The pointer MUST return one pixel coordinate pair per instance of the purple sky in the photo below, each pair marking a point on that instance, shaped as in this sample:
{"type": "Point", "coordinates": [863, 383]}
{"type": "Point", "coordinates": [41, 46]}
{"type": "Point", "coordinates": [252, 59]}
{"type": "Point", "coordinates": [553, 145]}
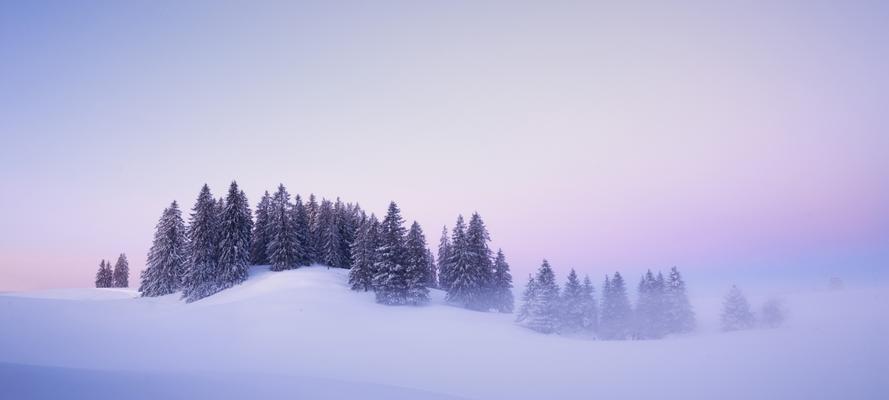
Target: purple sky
{"type": "Point", "coordinates": [741, 143]}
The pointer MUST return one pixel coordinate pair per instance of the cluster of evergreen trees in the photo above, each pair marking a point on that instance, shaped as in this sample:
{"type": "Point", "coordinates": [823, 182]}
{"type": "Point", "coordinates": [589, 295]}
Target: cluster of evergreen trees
{"type": "Point", "coordinates": [392, 261]}
{"type": "Point", "coordinates": [117, 277]}
{"type": "Point", "coordinates": [208, 256]}
{"type": "Point", "coordinates": [662, 306]}
{"type": "Point", "coordinates": [472, 276]}
{"type": "Point", "coordinates": [737, 314]}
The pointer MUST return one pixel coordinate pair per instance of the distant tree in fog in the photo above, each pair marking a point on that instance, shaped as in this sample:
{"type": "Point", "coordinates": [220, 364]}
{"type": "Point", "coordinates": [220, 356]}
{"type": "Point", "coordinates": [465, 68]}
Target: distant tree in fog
{"type": "Point", "coordinates": [541, 303]}
{"type": "Point", "coordinates": [773, 313]}
{"type": "Point", "coordinates": [502, 290]}
{"type": "Point", "coordinates": [736, 314]}
{"type": "Point", "coordinates": [616, 314]}
{"type": "Point", "coordinates": [572, 306]}
{"type": "Point", "coordinates": [679, 316]}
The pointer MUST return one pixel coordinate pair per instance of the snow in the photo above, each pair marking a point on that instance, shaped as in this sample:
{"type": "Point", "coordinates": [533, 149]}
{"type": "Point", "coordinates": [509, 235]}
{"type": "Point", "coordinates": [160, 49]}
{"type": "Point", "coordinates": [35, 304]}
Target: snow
{"type": "Point", "coordinates": [302, 333]}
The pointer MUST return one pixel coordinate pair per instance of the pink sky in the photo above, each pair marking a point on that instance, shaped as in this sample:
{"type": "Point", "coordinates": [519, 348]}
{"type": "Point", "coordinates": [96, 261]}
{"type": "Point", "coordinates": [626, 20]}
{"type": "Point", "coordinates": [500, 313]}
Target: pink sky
{"type": "Point", "coordinates": [723, 139]}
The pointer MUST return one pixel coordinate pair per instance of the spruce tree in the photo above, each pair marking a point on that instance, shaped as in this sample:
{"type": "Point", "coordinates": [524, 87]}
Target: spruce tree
{"type": "Point", "coordinates": [390, 281]}
{"type": "Point", "coordinates": [120, 277]}
{"type": "Point", "coordinates": [502, 292]}
{"type": "Point", "coordinates": [313, 211]}
{"type": "Point", "coordinates": [649, 308]}
{"type": "Point", "coordinates": [347, 222]}
{"type": "Point", "coordinates": [431, 275]}
{"type": "Point", "coordinates": [529, 301]}
{"type": "Point", "coordinates": [542, 300]}
{"type": "Point", "coordinates": [736, 314]}
{"type": "Point", "coordinates": [260, 240]}
{"type": "Point", "coordinates": [283, 248]}
{"type": "Point", "coordinates": [301, 226]}
{"type": "Point", "coordinates": [104, 277]}
{"type": "Point", "coordinates": [481, 265]}
{"type": "Point", "coordinates": [364, 251]}
{"type": "Point", "coordinates": [572, 316]}
{"type": "Point", "coordinates": [444, 257]}
{"type": "Point", "coordinates": [167, 257]}
{"type": "Point", "coordinates": [590, 321]}
{"type": "Point", "coordinates": [678, 314]}
{"type": "Point", "coordinates": [416, 264]}
{"type": "Point", "coordinates": [235, 229]}
{"type": "Point", "coordinates": [614, 321]}
{"type": "Point", "coordinates": [201, 272]}
{"type": "Point", "coordinates": [463, 282]}
{"type": "Point", "coordinates": [330, 235]}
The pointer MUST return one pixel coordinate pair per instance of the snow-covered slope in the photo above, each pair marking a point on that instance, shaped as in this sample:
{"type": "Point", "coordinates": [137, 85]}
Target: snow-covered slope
{"type": "Point", "coordinates": [303, 334]}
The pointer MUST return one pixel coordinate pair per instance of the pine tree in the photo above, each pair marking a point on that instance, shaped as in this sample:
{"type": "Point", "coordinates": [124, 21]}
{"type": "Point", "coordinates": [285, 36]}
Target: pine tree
{"type": "Point", "coordinates": [736, 314]}
{"type": "Point", "coordinates": [235, 230]}
{"type": "Point", "coordinates": [200, 276]}
{"type": "Point", "coordinates": [444, 257]}
{"type": "Point", "coordinates": [120, 277]}
{"type": "Point", "coordinates": [614, 322]}
{"type": "Point", "coordinates": [590, 321]}
{"type": "Point", "coordinates": [313, 211]}
{"type": "Point", "coordinates": [301, 226]}
{"type": "Point", "coordinates": [502, 286]}
{"type": "Point", "coordinates": [572, 316]}
{"type": "Point", "coordinates": [260, 240]}
{"type": "Point", "coordinates": [168, 256]}
{"type": "Point", "coordinates": [431, 280]}
{"type": "Point", "coordinates": [529, 300]}
{"type": "Point", "coordinates": [104, 277]}
{"type": "Point", "coordinates": [416, 264]}
{"type": "Point", "coordinates": [649, 307]}
{"type": "Point", "coordinates": [482, 267]}
{"type": "Point", "coordinates": [390, 281]}
{"type": "Point", "coordinates": [678, 314]}
{"type": "Point", "coordinates": [348, 221]}
{"type": "Point", "coordinates": [330, 235]}
{"type": "Point", "coordinates": [364, 250]}
{"type": "Point", "coordinates": [283, 248]}
{"type": "Point", "coordinates": [541, 309]}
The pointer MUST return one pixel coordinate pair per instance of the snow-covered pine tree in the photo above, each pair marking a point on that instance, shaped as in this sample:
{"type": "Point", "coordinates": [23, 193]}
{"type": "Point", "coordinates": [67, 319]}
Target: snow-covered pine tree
{"type": "Point", "coordinates": [120, 277]}
{"type": "Point", "coordinates": [416, 264]}
{"type": "Point", "coordinates": [330, 235]}
{"type": "Point", "coordinates": [502, 297]}
{"type": "Point", "coordinates": [167, 257]}
{"type": "Point", "coordinates": [615, 318]}
{"type": "Point", "coordinates": [283, 248]}
{"type": "Point", "coordinates": [678, 314]}
{"type": "Point", "coordinates": [201, 271]}
{"type": "Point", "coordinates": [347, 223]}
{"type": "Point", "coordinates": [529, 300]}
{"type": "Point", "coordinates": [235, 229]}
{"type": "Point", "coordinates": [444, 257]}
{"type": "Point", "coordinates": [736, 314]}
{"type": "Point", "coordinates": [431, 270]}
{"type": "Point", "coordinates": [544, 312]}
{"type": "Point", "coordinates": [647, 315]}
{"type": "Point", "coordinates": [590, 322]}
{"type": "Point", "coordinates": [390, 281]}
{"type": "Point", "coordinates": [313, 211]}
{"type": "Point", "coordinates": [463, 280]}
{"type": "Point", "coordinates": [481, 265]}
{"type": "Point", "coordinates": [364, 250]}
{"type": "Point", "coordinates": [572, 314]}
{"type": "Point", "coordinates": [301, 226]}
{"type": "Point", "coordinates": [260, 240]}
{"type": "Point", "coordinates": [104, 277]}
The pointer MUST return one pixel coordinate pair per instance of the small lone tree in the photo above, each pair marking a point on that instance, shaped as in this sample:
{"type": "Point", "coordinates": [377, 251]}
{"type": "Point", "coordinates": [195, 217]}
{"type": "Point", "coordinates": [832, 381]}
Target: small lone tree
{"type": "Point", "coordinates": [736, 314]}
{"type": "Point", "coordinates": [120, 277]}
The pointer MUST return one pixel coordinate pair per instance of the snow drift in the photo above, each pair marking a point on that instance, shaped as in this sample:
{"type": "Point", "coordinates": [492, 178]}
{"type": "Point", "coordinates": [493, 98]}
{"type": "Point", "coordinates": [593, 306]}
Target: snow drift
{"type": "Point", "coordinates": [303, 334]}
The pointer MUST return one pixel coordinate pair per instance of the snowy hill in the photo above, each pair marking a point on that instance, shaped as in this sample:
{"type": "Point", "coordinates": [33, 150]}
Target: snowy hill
{"type": "Point", "coordinates": [303, 334]}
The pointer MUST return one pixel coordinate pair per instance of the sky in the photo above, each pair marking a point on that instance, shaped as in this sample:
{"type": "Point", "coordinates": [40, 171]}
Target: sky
{"type": "Point", "coordinates": [741, 143]}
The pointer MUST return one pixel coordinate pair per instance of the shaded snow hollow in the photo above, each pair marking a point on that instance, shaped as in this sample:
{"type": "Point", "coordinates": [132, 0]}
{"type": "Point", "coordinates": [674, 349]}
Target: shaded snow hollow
{"type": "Point", "coordinates": [304, 334]}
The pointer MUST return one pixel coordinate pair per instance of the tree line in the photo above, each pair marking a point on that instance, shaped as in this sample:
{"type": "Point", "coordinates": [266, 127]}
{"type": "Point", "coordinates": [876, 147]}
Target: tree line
{"type": "Point", "coordinates": [222, 239]}
{"type": "Point", "coordinates": [116, 277]}
{"type": "Point", "coordinates": [662, 306]}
